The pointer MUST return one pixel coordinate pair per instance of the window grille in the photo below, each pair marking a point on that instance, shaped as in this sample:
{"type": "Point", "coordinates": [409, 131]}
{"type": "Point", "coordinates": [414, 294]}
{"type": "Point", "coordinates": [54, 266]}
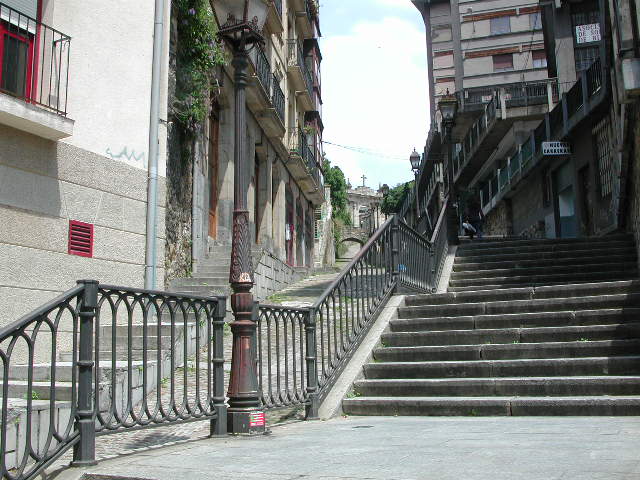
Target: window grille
{"type": "Point", "coordinates": [604, 157]}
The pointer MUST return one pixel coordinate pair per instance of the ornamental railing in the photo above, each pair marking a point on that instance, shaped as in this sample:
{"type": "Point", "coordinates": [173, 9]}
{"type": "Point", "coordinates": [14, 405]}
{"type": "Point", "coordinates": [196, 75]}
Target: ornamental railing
{"type": "Point", "coordinates": [103, 359]}
{"type": "Point", "coordinates": [278, 99]}
{"type": "Point", "coordinates": [296, 59]}
{"type": "Point", "coordinates": [35, 61]}
{"type": "Point", "coordinates": [263, 70]}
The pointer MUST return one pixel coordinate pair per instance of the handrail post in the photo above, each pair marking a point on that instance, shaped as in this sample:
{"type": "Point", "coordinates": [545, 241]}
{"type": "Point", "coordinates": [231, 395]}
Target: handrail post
{"type": "Point", "coordinates": [395, 250]}
{"type": "Point", "coordinates": [311, 358]}
{"type": "Point", "coordinates": [219, 424]}
{"type": "Point", "coordinates": [84, 451]}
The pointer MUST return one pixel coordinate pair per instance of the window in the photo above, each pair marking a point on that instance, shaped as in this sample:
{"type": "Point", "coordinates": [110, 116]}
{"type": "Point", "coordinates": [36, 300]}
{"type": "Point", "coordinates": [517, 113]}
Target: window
{"type": "Point", "coordinates": [535, 21]}
{"type": "Point", "coordinates": [500, 25]}
{"type": "Point", "coordinates": [16, 53]}
{"type": "Point", "coordinates": [539, 58]}
{"type": "Point", "coordinates": [503, 63]}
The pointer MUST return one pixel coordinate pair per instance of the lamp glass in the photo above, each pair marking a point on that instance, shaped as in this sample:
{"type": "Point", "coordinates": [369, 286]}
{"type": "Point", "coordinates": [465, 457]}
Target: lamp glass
{"type": "Point", "coordinates": [232, 12]}
{"type": "Point", "coordinates": [448, 107]}
{"type": "Point", "coordinates": [415, 160]}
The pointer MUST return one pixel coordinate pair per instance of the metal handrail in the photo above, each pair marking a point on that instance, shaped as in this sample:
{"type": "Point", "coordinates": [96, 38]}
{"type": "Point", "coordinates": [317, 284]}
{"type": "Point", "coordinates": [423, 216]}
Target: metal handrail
{"type": "Point", "coordinates": [134, 361]}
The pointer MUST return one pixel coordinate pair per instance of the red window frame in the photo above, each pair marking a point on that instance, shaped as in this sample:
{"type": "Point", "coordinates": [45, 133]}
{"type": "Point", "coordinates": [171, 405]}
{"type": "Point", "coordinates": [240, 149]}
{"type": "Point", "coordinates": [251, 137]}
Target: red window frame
{"type": "Point", "coordinates": [11, 31]}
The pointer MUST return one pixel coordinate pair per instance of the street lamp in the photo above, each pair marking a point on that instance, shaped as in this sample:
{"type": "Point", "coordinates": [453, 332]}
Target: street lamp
{"type": "Point", "coordinates": [414, 158]}
{"type": "Point", "coordinates": [385, 191]}
{"type": "Point", "coordinates": [240, 25]}
{"type": "Point", "coordinates": [448, 106]}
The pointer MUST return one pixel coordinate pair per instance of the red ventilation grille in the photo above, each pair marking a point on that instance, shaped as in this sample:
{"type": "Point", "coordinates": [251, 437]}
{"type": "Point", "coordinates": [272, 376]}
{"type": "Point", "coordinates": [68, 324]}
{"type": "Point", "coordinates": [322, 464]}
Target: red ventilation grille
{"type": "Point", "coordinates": [80, 238]}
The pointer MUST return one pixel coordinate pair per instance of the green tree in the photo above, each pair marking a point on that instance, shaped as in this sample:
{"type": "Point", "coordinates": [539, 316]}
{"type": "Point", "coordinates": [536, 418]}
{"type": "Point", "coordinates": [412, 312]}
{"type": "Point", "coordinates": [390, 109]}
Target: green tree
{"type": "Point", "coordinates": [393, 201]}
{"type": "Point", "coordinates": [334, 177]}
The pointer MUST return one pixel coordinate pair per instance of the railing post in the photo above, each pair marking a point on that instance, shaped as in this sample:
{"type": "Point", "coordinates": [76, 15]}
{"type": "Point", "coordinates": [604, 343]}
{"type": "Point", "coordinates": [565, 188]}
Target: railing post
{"type": "Point", "coordinates": [395, 250]}
{"type": "Point", "coordinates": [219, 425]}
{"type": "Point", "coordinates": [312, 366]}
{"type": "Point", "coordinates": [84, 451]}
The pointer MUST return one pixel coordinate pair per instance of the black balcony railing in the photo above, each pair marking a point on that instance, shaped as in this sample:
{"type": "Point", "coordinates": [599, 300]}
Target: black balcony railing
{"type": "Point", "coordinates": [296, 59]}
{"type": "Point", "coordinates": [35, 61]}
{"type": "Point", "coordinates": [278, 99]}
{"type": "Point", "coordinates": [136, 359]}
{"type": "Point", "coordinates": [278, 5]}
{"type": "Point", "coordinates": [263, 70]}
{"type": "Point", "coordinates": [516, 94]}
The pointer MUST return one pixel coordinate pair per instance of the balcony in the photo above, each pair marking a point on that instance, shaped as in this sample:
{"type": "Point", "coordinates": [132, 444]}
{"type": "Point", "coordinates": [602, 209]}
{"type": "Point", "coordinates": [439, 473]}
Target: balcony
{"type": "Point", "coordinates": [274, 17]}
{"type": "Point", "coordinates": [264, 96]}
{"type": "Point", "coordinates": [306, 11]}
{"type": "Point", "coordinates": [35, 76]}
{"type": "Point", "coordinates": [479, 133]}
{"type": "Point", "coordinates": [303, 166]}
{"type": "Point", "coordinates": [586, 98]}
{"type": "Point", "coordinates": [300, 75]}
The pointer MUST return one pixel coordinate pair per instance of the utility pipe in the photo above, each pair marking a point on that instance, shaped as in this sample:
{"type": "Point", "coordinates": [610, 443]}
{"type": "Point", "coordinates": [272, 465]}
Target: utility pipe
{"type": "Point", "coordinates": [154, 122]}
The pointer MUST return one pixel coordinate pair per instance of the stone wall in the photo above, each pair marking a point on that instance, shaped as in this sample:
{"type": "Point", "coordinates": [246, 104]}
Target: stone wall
{"type": "Point", "coordinates": [633, 185]}
{"type": "Point", "coordinates": [499, 220]}
{"type": "Point", "coordinates": [272, 274]}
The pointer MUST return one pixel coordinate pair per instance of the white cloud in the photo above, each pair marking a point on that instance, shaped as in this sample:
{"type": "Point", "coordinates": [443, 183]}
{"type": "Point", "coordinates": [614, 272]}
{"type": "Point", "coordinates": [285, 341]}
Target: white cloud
{"type": "Point", "coordinates": [374, 85]}
{"type": "Point", "coordinates": [395, 3]}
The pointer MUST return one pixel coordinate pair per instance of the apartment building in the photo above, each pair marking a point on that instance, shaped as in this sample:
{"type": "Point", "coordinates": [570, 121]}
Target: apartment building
{"type": "Point", "coordinates": [74, 123]}
{"type": "Point", "coordinates": [491, 56]}
{"type": "Point", "coordinates": [284, 130]}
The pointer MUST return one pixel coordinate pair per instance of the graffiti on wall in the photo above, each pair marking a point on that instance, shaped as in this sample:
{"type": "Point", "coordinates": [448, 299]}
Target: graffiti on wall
{"type": "Point", "coordinates": [140, 159]}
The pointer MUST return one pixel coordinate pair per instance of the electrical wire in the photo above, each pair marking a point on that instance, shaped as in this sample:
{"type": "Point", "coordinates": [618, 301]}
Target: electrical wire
{"type": "Point", "coordinates": [363, 151]}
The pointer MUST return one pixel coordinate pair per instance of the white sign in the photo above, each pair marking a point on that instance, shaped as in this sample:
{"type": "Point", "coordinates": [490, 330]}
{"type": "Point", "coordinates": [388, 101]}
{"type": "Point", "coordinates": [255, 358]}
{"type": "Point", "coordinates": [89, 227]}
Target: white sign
{"type": "Point", "coordinates": [556, 148]}
{"type": "Point", "coordinates": [588, 33]}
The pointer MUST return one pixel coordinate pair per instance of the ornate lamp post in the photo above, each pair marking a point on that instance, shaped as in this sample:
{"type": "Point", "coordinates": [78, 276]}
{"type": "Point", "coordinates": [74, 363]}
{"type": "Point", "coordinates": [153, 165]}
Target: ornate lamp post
{"type": "Point", "coordinates": [241, 23]}
{"type": "Point", "coordinates": [385, 191]}
{"type": "Point", "coordinates": [415, 166]}
{"type": "Point", "coordinates": [448, 106]}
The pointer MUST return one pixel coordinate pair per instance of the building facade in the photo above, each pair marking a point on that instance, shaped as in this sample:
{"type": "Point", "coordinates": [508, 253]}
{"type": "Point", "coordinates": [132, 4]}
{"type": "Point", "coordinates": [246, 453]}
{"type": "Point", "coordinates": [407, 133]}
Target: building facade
{"type": "Point", "coordinates": [74, 135]}
{"type": "Point", "coordinates": [540, 147]}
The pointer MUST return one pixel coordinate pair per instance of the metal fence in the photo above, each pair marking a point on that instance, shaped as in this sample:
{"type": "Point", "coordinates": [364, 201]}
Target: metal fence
{"type": "Point", "coordinates": [102, 359]}
{"type": "Point", "coordinates": [35, 61]}
{"type": "Point", "coordinates": [278, 99]}
{"type": "Point", "coordinates": [263, 69]}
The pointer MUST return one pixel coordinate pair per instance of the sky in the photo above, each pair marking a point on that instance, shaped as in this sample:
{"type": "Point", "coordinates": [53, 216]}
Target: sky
{"type": "Point", "coordinates": [374, 87]}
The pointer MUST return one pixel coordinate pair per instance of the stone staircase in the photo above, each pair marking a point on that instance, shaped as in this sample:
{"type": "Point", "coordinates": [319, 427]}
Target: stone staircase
{"type": "Point", "coordinates": [212, 277]}
{"type": "Point", "coordinates": [528, 327]}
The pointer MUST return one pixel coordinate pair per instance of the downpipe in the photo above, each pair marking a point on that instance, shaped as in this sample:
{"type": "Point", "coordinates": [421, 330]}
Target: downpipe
{"type": "Point", "coordinates": [151, 259]}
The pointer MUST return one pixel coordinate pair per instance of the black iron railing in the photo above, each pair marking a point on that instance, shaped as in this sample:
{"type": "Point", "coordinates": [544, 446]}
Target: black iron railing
{"type": "Point", "coordinates": [277, 99]}
{"type": "Point", "coordinates": [263, 70]}
{"type": "Point", "coordinates": [296, 59]}
{"type": "Point", "coordinates": [278, 5]}
{"type": "Point", "coordinates": [136, 359]}
{"type": "Point", "coordinates": [35, 61]}
{"type": "Point", "coordinates": [282, 355]}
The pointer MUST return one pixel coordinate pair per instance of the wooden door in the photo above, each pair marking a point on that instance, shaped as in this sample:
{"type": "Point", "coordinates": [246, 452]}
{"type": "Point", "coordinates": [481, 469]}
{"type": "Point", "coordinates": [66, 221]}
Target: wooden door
{"type": "Point", "coordinates": [214, 140]}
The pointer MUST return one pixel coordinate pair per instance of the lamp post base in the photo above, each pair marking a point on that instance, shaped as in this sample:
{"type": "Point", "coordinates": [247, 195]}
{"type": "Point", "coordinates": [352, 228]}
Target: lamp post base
{"type": "Point", "coordinates": [246, 422]}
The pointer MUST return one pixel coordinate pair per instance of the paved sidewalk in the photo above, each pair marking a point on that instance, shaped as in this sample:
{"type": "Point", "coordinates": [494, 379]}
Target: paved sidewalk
{"type": "Point", "coordinates": [394, 448]}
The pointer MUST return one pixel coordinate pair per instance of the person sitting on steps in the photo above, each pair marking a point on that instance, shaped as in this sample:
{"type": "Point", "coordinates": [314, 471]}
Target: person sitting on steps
{"type": "Point", "coordinates": [469, 229]}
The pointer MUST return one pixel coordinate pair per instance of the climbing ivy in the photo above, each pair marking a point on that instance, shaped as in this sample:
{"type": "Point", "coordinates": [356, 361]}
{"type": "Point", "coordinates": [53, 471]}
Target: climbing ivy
{"type": "Point", "coordinates": [198, 52]}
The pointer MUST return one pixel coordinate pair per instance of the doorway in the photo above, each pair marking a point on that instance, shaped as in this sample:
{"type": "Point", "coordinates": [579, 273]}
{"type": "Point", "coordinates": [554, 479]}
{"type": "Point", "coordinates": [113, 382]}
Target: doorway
{"type": "Point", "coordinates": [214, 141]}
{"type": "Point", "coordinates": [565, 201]}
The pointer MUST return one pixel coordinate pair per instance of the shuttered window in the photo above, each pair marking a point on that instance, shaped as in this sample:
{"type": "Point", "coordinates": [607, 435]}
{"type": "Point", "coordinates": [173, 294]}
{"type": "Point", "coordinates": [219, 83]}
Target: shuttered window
{"type": "Point", "coordinates": [503, 63]}
{"type": "Point", "coordinates": [80, 238]}
{"type": "Point", "coordinates": [602, 136]}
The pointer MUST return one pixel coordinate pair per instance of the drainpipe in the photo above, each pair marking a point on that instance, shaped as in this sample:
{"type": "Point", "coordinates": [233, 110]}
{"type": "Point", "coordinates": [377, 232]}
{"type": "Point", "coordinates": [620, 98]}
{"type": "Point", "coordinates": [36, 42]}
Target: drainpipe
{"type": "Point", "coordinates": [152, 178]}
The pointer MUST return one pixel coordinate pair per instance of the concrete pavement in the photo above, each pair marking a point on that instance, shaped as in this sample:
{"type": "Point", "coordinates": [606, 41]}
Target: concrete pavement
{"type": "Point", "coordinates": [395, 448]}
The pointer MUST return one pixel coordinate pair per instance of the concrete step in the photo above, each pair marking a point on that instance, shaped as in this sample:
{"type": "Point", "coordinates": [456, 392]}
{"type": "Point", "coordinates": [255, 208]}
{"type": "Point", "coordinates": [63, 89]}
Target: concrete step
{"type": "Point", "coordinates": [545, 271]}
{"type": "Point", "coordinates": [138, 329]}
{"type": "Point", "coordinates": [521, 306]}
{"type": "Point", "coordinates": [570, 251]}
{"type": "Point", "coordinates": [214, 270]}
{"type": "Point", "coordinates": [137, 342]}
{"type": "Point", "coordinates": [519, 320]}
{"type": "Point", "coordinates": [43, 372]}
{"type": "Point", "coordinates": [561, 260]}
{"type": "Point", "coordinates": [620, 365]}
{"type": "Point", "coordinates": [546, 279]}
{"type": "Point", "coordinates": [546, 243]}
{"type": "Point", "coordinates": [513, 335]}
{"type": "Point", "coordinates": [527, 292]}
{"type": "Point", "coordinates": [201, 280]}
{"type": "Point", "coordinates": [40, 390]}
{"type": "Point", "coordinates": [204, 290]}
{"type": "Point", "coordinates": [493, 406]}
{"type": "Point", "coordinates": [579, 349]}
{"type": "Point", "coordinates": [486, 387]}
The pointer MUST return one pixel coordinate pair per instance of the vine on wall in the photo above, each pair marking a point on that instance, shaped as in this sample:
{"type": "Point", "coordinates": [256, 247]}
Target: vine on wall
{"type": "Point", "coordinates": [198, 53]}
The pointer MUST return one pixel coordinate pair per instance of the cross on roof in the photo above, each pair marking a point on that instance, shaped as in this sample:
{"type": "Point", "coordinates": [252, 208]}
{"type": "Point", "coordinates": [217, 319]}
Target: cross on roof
{"type": "Point", "coordinates": [364, 177]}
